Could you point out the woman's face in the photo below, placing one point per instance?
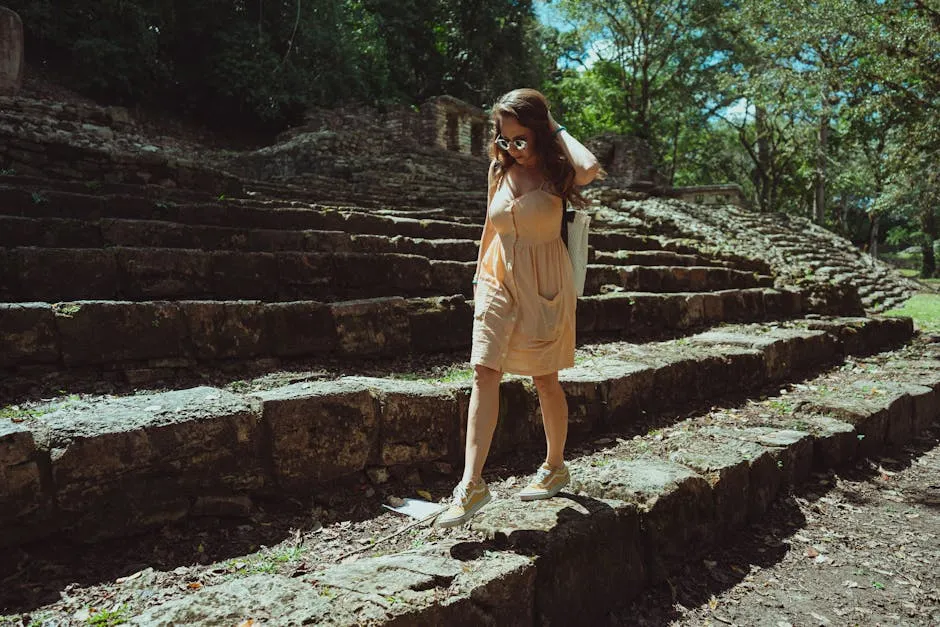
(511, 130)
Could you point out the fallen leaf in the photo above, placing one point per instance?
(811, 552)
(425, 495)
(247, 623)
(194, 585)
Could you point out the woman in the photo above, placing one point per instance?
(524, 295)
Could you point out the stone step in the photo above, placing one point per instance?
(123, 273)
(86, 207)
(112, 466)
(156, 340)
(670, 278)
(64, 233)
(51, 274)
(636, 511)
(650, 258)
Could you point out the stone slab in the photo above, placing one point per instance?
(12, 58)
(226, 330)
(319, 431)
(27, 334)
(145, 458)
(22, 498)
(372, 326)
(58, 274)
(419, 420)
(587, 552)
(94, 332)
(676, 506)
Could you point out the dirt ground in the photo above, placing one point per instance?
(857, 547)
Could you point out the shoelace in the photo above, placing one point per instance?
(460, 493)
(542, 474)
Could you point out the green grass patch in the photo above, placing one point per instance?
(924, 309)
(451, 374)
(109, 618)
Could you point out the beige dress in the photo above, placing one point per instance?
(524, 305)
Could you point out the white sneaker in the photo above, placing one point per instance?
(468, 499)
(547, 483)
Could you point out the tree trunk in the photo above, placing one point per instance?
(819, 197)
(928, 222)
(675, 154)
(875, 221)
(763, 159)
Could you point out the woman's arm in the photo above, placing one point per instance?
(583, 161)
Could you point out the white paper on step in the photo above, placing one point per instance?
(416, 508)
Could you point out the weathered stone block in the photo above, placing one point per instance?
(612, 312)
(677, 510)
(725, 464)
(586, 393)
(629, 390)
(882, 412)
(588, 555)
(319, 431)
(261, 597)
(372, 326)
(692, 311)
(753, 300)
(300, 329)
(766, 475)
(926, 408)
(418, 420)
(12, 58)
(785, 350)
(520, 419)
(235, 275)
(154, 274)
(445, 584)
(655, 312)
(27, 334)
(21, 493)
(430, 587)
(792, 450)
(226, 330)
(714, 310)
(62, 274)
(305, 276)
(100, 332)
(144, 458)
(327, 241)
(439, 324)
(452, 277)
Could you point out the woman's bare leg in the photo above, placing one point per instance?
(481, 421)
(554, 417)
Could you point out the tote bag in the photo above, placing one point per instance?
(574, 232)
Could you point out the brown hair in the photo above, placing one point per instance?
(530, 108)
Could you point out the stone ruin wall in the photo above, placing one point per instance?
(628, 162)
(96, 144)
(11, 52)
(729, 194)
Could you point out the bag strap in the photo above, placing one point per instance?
(565, 218)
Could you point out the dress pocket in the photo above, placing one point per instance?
(550, 317)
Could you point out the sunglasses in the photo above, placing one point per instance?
(504, 143)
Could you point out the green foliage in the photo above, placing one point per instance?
(262, 63)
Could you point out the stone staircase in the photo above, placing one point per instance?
(799, 252)
(170, 357)
(115, 281)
